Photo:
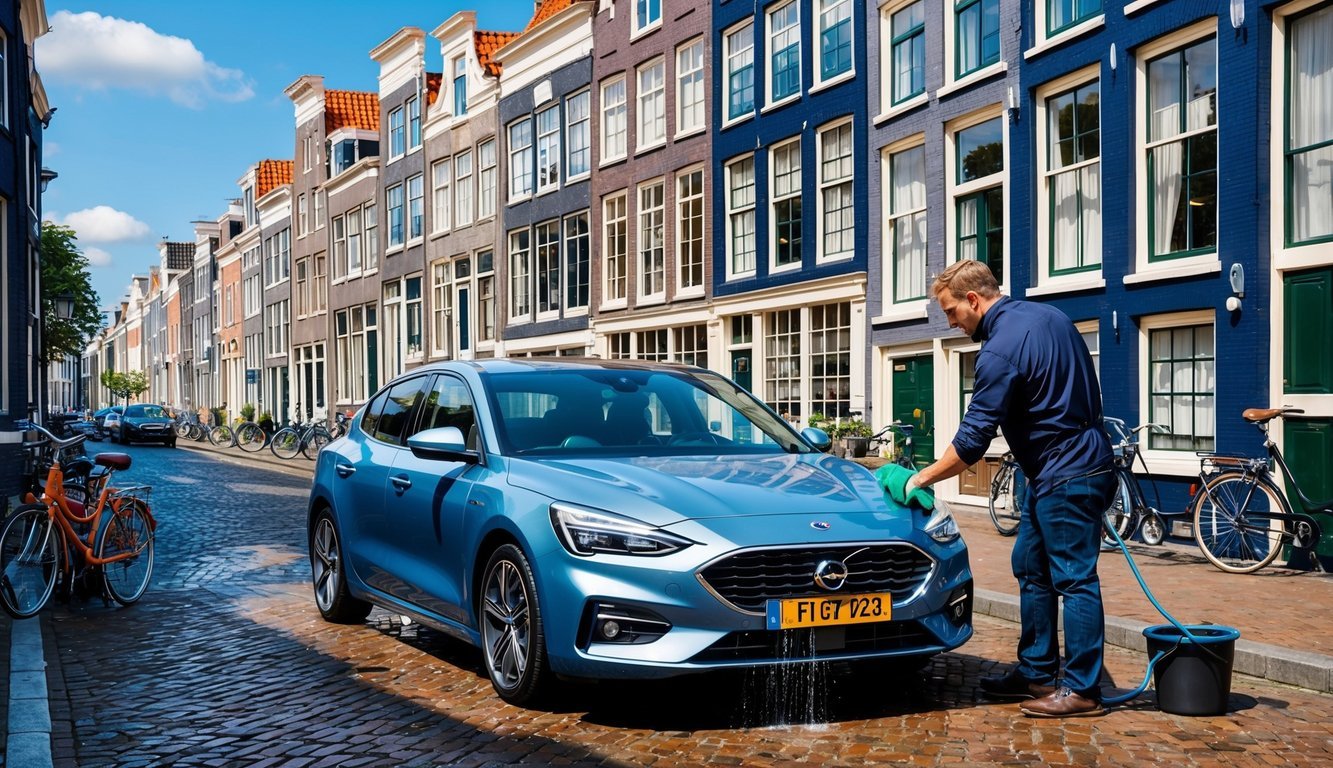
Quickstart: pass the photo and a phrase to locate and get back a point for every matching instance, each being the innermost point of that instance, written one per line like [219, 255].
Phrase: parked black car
[99, 419]
[149, 423]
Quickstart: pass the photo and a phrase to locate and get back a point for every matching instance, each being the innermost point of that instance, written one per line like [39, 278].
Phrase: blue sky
[162, 106]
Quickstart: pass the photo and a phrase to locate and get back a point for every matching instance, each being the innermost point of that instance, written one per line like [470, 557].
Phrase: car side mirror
[442, 444]
[818, 438]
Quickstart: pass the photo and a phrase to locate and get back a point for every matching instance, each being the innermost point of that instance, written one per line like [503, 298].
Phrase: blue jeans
[1055, 557]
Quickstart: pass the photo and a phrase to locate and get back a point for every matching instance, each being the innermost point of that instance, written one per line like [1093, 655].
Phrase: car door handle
[400, 482]
[344, 470]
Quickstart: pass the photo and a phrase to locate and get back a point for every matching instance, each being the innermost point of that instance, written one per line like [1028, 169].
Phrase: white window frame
[413, 106]
[522, 167]
[887, 106]
[441, 307]
[689, 80]
[727, 55]
[463, 202]
[770, 47]
[953, 190]
[399, 114]
[414, 189]
[821, 256]
[683, 200]
[441, 195]
[817, 75]
[775, 197]
[609, 298]
[302, 216]
[1046, 40]
[641, 26]
[952, 81]
[739, 211]
[548, 147]
[519, 282]
[650, 100]
[1181, 463]
[399, 190]
[651, 217]
[892, 307]
[615, 121]
[547, 256]
[578, 127]
[487, 178]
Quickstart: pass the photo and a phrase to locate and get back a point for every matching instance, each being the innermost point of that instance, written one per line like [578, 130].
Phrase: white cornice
[463, 21]
[365, 168]
[401, 58]
[307, 95]
[564, 38]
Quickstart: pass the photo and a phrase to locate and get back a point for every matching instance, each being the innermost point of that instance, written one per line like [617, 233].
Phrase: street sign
[251, 375]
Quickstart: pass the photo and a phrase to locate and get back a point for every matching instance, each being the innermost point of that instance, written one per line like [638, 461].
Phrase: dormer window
[460, 86]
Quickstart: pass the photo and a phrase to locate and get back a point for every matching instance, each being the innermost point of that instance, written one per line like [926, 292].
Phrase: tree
[65, 272]
[125, 384]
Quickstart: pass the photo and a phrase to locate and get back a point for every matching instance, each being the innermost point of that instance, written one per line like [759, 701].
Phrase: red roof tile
[351, 109]
[487, 43]
[271, 175]
[547, 9]
[433, 80]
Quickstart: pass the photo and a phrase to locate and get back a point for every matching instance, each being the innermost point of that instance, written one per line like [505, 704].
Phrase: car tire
[171, 443]
[328, 571]
[513, 637]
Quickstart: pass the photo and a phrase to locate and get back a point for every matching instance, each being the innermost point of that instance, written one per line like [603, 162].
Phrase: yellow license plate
[829, 611]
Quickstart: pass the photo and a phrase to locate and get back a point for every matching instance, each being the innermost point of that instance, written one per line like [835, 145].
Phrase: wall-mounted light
[47, 176]
[64, 306]
[1013, 105]
[1113, 61]
[1115, 324]
[1237, 278]
[1237, 14]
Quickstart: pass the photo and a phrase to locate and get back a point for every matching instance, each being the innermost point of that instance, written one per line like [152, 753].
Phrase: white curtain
[967, 228]
[909, 231]
[1166, 177]
[1311, 118]
[1090, 186]
[1065, 217]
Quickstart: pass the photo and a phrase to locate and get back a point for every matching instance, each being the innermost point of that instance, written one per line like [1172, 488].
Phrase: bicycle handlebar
[25, 426]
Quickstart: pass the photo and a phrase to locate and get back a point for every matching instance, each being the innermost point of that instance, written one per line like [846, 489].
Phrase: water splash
[791, 692]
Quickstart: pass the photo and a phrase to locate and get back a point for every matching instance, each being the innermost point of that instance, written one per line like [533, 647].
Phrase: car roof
[532, 364]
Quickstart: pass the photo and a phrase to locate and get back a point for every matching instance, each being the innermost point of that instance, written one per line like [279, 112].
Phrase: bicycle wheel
[286, 443]
[1006, 499]
[128, 531]
[318, 439]
[29, 560]
[183, 429]
[250, 437]
[1119, 516]
[222, 436]
[1232, 523]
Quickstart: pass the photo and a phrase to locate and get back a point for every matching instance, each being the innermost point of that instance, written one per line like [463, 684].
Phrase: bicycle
[1129, 510]
[1007, 490]
[300, 438]
[39, 542]
[249, 437]
[1242, 518]
[904, 457]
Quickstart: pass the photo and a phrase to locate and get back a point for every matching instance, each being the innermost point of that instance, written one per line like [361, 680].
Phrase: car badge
[820, 525]
[831, 574]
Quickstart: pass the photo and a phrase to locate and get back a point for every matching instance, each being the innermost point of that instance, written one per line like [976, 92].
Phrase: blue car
[621, 519]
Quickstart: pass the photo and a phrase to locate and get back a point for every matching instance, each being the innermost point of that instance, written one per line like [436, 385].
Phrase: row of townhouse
[766, 190]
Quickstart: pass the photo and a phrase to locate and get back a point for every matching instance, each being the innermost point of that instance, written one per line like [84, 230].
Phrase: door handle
[344, 470]
[401, 482]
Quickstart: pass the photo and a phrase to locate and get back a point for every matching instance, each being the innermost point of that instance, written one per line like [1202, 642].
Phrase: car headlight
[586, 532]
[941, 526]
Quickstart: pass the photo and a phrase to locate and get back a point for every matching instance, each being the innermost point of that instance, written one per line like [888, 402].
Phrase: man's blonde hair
[963, 276]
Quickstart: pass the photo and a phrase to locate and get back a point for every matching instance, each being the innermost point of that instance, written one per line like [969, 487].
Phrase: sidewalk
[298, 467]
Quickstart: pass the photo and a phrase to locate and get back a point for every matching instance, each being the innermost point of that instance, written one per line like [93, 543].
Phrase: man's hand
[900, 483]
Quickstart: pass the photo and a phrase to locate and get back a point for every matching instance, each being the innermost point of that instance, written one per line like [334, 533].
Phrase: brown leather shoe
[1014, 686]
[1062, 703]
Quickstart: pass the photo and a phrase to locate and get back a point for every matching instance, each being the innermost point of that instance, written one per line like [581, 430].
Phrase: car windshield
[145, 411]
[604, 412]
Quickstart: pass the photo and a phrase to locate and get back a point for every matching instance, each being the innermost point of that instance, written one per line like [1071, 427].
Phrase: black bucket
[1194, 677]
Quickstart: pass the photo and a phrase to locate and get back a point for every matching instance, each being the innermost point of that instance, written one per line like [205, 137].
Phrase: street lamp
[47, 176]
[64, 306]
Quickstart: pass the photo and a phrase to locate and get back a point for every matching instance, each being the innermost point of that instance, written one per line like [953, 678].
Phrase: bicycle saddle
[116, 461]
[1260, 415]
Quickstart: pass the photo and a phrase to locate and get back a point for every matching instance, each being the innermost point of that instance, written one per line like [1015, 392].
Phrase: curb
[1270, 662]
[28, 738]
[298, 467]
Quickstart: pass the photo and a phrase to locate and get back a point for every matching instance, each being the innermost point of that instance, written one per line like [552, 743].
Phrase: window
[460, 86]
[321, 284]
[441, 175]
[276, 324]
[739, 51]
[486, 179]
[652, 345]
[4, 99]
[302, 217]
[906, 198]
[690, 230]
[647, 13]
[690, 112]
[578, 116]
[976, 35]
[1309, 128]
[614, 120]
[835, 38]
[1063, 14]
[486, 296]
[548, 149]
[319, 209]
[463, 188]
[691, 342]
[302, 289]
[413, 305]
[615, 244]
[354, 256]
[577, 264]
[652, 105]
[1182, 387]
[520, 299]
[441, 308]
[372, 249]
[396, 134]
[1182, 151]
[837, 209]
[520, 159]
[413, 123]
[782, 362]
[652, 266]
[416, 221]
[979, 209]
[784, 45]
[548, 268]
[1073, 179]
[247, 201]
[340, 265]
[831, 359]
[394, 199]
[908, 28]
[740, 216]
[785, 165]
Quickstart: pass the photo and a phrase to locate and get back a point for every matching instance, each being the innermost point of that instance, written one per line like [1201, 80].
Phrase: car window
[372, 415]
[449, 404]
[145, 411]
[401, 399]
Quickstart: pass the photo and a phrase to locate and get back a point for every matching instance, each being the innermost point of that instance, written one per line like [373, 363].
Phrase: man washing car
[1035, 380]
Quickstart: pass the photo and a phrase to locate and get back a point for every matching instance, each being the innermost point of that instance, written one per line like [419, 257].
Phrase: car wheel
[171, 443]
[513, 639]
[327, 567]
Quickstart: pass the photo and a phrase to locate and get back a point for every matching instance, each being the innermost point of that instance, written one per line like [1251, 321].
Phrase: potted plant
[855, 436]
[248, 412]
[266, 422]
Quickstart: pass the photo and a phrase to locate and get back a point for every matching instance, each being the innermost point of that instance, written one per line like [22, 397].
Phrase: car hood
[670, 489]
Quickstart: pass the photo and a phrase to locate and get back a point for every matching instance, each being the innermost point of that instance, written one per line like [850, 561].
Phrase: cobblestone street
[226, 662]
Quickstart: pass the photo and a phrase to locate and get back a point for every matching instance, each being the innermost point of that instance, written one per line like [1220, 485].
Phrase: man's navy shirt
[1035, 380]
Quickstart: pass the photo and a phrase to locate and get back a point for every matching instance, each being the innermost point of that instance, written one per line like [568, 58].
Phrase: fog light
[610, 630]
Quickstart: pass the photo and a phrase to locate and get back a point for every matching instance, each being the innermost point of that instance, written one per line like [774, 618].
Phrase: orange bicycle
[57, 536]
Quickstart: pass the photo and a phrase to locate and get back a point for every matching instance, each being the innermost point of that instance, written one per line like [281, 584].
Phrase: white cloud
[104, 224]
[101, 52]
[97, 257]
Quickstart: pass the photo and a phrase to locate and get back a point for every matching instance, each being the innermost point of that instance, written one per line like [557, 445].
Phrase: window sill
[517, 200]
[1138, 5]
[740, 276]
[611, 306]
[1064, 36]
[900, 312]
[834, 258]
[1198, 265]
[656, 299]
[438, 234]
[902, 108]
[838, 79]
[644, 149]
[1056, 286]
[734, 121]
[997, 68]
[639, 34]
[581, 176]
[607, 162]
[784, 101]
[689, 293]
[690, 132]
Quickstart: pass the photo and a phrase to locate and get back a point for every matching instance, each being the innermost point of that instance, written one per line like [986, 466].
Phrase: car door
[362, 477]
[428, 500]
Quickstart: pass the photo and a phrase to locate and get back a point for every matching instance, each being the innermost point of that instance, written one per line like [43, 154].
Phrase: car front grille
[748, 579]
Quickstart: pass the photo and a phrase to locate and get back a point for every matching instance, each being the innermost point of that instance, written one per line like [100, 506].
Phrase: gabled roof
[433, 80]
[547, 9]
[487, 43]
[351, 109]
[271, 175]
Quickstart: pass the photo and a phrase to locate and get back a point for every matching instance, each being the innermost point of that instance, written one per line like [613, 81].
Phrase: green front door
[1308, 370]
[914, 403]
